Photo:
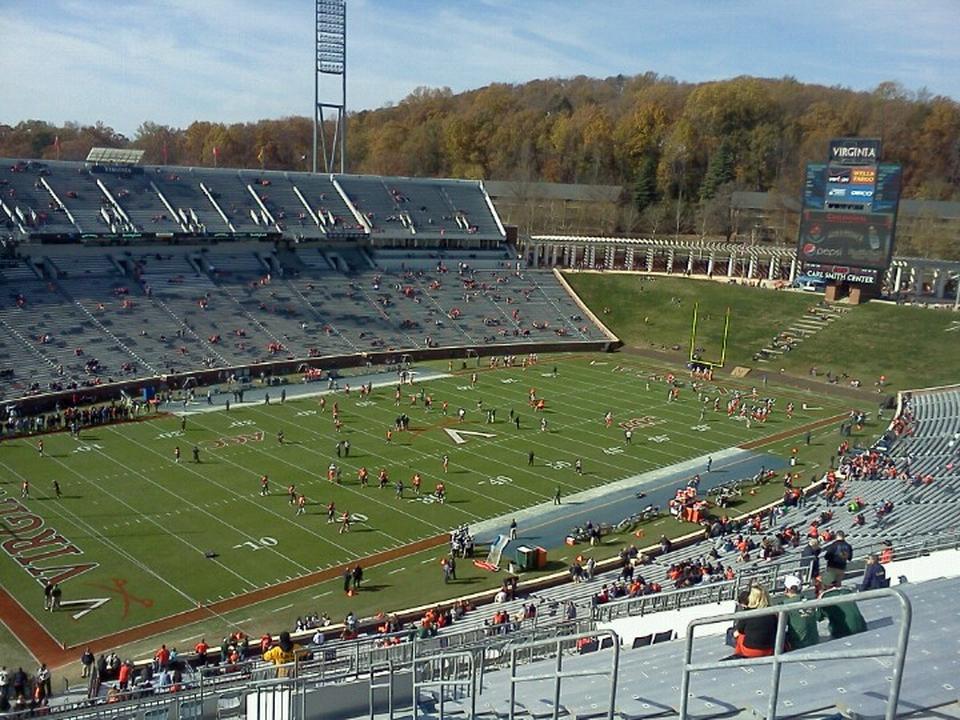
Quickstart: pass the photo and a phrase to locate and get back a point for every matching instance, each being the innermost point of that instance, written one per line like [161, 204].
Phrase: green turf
[912, 347]
[12, 652]
[657, 312]
[147, 521]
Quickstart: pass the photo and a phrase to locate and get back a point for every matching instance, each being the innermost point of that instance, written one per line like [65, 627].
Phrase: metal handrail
[780, 657]
[559, 673]
[445, 662]
[765, 574]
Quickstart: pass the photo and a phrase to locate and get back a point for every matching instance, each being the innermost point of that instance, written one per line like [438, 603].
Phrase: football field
[138, 536]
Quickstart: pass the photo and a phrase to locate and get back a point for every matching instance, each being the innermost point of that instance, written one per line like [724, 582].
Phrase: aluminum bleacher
[323, 198]
[377, 202]
[232, 195]
[78, 190]
[94, 199]
[141, 202]
[24, 194]
[184, 195]
[543, 672]
[474, 205]
[648, 678]
[172, 308]
[288, 209]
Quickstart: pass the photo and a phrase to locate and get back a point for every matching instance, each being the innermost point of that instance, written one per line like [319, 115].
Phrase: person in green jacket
[844, 619]
[802, 628]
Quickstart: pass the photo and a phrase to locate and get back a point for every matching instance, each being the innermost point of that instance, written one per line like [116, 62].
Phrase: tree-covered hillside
[659, 138]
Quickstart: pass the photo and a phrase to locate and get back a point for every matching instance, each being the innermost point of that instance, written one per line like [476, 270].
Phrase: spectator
[162, 659]
[801, 624]
[755, 637]
[283, 654]
[201, 650]
[837, 555]
[874, 575]
[844, 619]
[20, 684]
[86, 662]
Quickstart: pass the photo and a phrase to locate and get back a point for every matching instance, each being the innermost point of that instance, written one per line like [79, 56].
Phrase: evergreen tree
[645, 184]
[719, 171]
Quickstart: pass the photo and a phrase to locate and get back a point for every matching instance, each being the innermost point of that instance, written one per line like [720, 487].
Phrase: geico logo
[861, 193]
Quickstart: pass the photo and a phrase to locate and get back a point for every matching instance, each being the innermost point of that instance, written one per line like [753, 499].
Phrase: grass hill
[911, 346]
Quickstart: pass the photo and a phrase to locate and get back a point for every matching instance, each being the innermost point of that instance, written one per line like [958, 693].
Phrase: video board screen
[815, 186]
[863, 240]
[848, 220]
[887, 194]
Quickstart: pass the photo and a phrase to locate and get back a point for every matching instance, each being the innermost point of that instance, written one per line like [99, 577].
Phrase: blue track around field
[548, 525]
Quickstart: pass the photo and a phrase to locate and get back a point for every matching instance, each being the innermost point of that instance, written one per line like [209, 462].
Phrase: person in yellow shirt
[282, 654]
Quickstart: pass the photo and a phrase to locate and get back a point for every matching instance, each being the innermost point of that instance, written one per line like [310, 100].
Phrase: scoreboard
[848, 220]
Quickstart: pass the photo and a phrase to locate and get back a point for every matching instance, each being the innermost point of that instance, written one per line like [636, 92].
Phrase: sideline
[298, 391]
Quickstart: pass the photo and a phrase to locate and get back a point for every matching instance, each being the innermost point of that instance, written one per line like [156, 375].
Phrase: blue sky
[174, 61]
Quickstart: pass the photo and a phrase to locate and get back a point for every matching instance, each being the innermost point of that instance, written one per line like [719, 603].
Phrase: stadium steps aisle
[799, 329]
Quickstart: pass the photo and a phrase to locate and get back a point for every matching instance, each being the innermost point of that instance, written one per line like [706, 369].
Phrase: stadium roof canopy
[114, 156]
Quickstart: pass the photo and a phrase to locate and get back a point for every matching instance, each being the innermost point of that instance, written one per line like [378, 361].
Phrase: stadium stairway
[799, 329]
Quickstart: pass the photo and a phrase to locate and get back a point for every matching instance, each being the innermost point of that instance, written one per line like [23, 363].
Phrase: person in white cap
[802, 628]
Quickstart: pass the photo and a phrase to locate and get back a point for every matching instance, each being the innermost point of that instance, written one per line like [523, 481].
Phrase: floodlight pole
[330, 58]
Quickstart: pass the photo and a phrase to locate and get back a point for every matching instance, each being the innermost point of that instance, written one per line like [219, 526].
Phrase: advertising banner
[863, 240]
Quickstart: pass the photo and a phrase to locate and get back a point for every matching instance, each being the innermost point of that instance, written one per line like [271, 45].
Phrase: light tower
[330, 84]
